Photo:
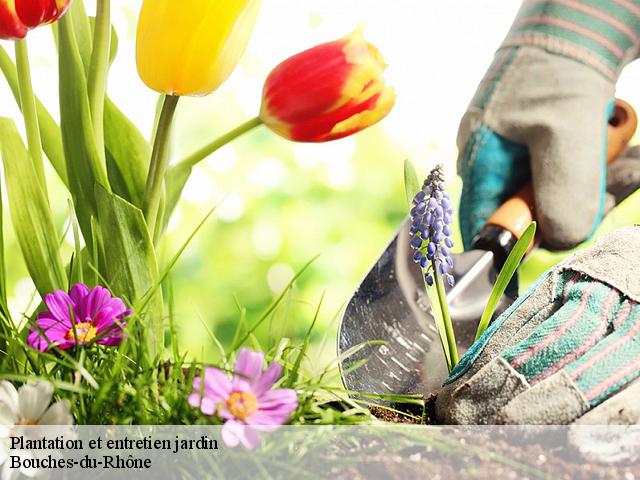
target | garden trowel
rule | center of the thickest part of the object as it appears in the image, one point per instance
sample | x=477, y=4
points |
x=387, y=340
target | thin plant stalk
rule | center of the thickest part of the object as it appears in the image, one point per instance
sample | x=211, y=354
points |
x=98, y=69
x=446, y=317
x=159, y=162
x=29, y=112
x=179, y=173
x=219, y=142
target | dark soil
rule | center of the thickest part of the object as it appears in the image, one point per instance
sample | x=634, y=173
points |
x=473, y=458
x=409, y=413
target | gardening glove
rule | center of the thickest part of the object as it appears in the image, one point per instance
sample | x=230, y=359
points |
x=568, y=344
x=540, y=115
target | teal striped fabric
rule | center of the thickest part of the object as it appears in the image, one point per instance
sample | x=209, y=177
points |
x=612, y=363
x=602, y=33
x=593, y=335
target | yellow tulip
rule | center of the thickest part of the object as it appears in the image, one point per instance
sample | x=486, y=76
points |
x=192, y=46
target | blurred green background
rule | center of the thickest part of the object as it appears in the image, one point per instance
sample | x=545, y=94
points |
x=280, y=203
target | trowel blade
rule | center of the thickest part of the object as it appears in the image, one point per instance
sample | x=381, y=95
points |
x=389, y=319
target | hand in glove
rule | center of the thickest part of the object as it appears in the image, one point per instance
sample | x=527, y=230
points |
x=541, y=112
x=568, y=344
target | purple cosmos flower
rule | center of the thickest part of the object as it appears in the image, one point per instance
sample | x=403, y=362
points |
x=246, y=401
x=79, y=317
x=430, y=231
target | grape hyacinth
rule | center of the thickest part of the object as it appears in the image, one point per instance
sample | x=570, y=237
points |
x=430, y=231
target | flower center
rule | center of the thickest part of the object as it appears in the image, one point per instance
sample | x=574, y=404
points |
x=26, y=421
x=84, y=332
x=242, y=405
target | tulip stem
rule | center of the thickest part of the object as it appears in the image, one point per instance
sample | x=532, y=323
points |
x=179, y=173
x=219, y=142
x=98, y=69
x=159, y=162
x=446, y=318
x=29, y=112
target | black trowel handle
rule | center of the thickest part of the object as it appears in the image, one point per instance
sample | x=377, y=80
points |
x=508, y=223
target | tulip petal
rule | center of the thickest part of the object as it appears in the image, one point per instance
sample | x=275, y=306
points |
x=191, y=47
x=11, y=27
x=327, y=92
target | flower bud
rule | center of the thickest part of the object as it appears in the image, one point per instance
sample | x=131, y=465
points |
x=192, y=46
x=327, y=92
x=17, y=17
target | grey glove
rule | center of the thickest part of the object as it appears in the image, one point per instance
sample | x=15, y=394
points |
x=567, y=346
x=540, y=114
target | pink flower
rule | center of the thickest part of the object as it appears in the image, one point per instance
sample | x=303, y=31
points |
x=246, y=401
x=79, y=317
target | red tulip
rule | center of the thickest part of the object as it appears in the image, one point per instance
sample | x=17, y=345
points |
x=17, y=17
x=327, y=92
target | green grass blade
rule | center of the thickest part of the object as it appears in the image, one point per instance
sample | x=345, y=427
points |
x=4, y=308
x=30, y=213
x=293, y=376
x=411, y=183
x=273, y=306
x=3, y=266
x=169, y=267
x=505, y=276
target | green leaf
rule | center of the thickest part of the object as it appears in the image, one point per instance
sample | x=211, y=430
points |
x=84, y=165
x=30, y=213
x=83, y=27
x=4, y=309
x=411, y=183
x=127, y=150
x=438, y=317
x=83, y=32
x=128, y=155
x=49, y=130
x=130, y=265
x=76, y=274
x=113, y=47
x=504, y=277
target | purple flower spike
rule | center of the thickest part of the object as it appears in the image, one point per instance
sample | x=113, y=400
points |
x=431, y=219
x=79, y=317
x=419, y=197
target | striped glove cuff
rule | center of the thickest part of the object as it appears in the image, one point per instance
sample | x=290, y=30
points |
x=604, y=34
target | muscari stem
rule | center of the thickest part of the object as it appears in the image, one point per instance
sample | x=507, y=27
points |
x=98, y=70
x=446, y=317
x=29, y=112
x=159, y=162
x=220, y=142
